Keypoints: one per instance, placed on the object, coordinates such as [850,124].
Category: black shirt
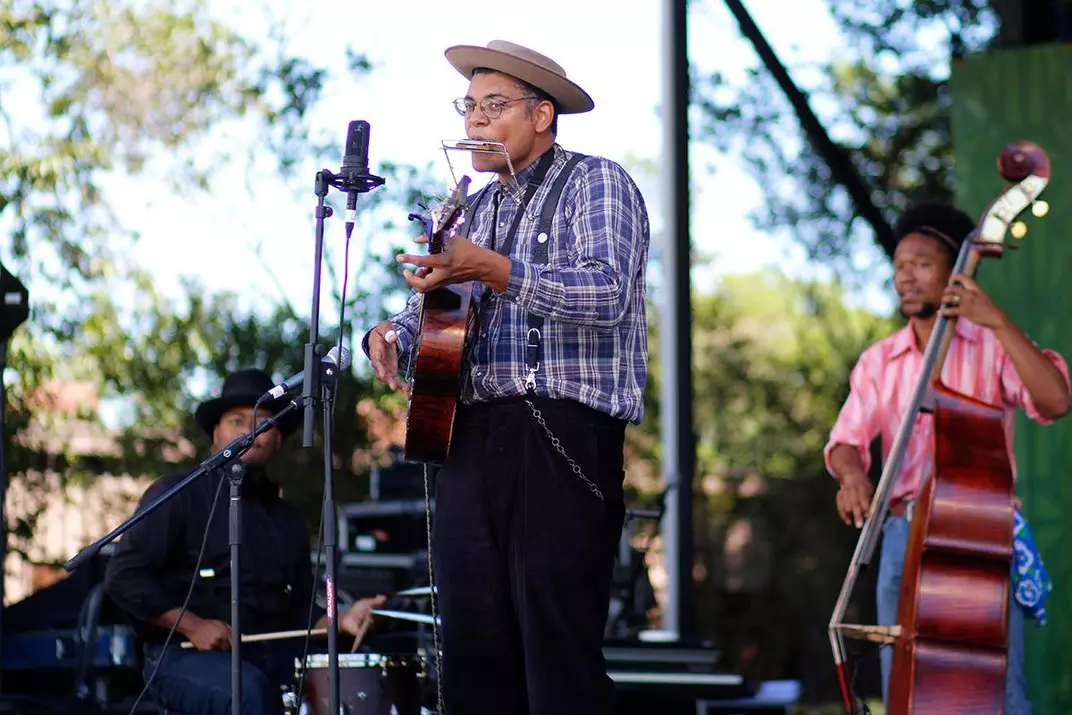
[153,564]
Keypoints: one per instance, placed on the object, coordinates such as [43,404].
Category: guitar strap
[471,205]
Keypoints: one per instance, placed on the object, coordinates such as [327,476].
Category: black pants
[523,553]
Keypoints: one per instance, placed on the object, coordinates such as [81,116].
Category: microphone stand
[236,471]
[235,474]
[311,386]
[352,181]
[330,550]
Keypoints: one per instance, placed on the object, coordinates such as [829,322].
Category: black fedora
[242,389]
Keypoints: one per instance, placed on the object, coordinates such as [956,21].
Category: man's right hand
[206,634]
[383,354]
[854,499]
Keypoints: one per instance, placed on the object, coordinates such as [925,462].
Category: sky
[407,101]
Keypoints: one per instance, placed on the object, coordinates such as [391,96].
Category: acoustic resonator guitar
[435,368]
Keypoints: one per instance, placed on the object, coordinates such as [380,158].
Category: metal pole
[3,488]
[675,326]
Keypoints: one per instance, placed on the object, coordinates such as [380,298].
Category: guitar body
[446,317]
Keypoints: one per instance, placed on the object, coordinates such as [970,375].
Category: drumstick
[419,591]
[403,616]
[361,633]
[277,635]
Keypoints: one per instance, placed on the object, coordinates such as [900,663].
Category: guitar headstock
[448,215]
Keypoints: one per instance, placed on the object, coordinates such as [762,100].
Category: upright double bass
[950,641]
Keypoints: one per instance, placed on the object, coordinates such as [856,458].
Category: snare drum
[369,684]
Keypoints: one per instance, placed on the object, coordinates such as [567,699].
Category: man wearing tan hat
[529,504]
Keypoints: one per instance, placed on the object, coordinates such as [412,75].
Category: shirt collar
[525,174]
[904,339]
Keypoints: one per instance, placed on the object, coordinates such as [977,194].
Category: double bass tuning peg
[1018,229]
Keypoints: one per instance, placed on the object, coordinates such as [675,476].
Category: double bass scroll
[950,643]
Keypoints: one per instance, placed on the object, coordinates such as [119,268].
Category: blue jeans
[891,564]
[190,682]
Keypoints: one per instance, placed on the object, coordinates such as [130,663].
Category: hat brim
[208,413]
[569,96]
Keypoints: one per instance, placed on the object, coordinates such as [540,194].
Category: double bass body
[950,655]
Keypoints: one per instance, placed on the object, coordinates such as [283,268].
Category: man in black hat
[152,570]
[989,359]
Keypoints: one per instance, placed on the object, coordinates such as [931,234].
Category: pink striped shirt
[885,376]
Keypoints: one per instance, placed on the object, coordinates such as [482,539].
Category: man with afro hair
[989,359]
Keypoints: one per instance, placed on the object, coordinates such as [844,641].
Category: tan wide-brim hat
[525,64]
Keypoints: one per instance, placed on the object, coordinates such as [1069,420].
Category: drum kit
[369,683]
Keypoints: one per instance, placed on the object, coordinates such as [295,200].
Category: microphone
[330,365]
[354,170]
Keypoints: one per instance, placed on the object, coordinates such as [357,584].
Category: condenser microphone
[354,170]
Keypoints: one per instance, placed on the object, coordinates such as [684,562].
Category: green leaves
[97,92]
[771,359]
[883,99]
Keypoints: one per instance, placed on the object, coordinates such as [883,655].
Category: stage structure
[1026,93]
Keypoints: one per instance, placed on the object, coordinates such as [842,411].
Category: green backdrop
[1027,94]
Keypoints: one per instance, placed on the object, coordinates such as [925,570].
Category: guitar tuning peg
[1018,229]
[1040,208]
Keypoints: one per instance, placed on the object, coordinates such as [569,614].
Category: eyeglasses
[490,106]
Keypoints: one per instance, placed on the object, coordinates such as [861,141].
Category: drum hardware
[370,684]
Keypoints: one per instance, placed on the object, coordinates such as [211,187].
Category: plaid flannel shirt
[591,294]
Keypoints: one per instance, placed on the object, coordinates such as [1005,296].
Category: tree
[771,364]
[883,99]
[129,88]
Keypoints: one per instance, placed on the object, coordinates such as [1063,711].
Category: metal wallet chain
[432,594]
[557,444]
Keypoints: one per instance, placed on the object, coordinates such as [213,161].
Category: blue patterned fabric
[1031,584]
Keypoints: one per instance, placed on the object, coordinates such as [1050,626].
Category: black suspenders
[534,323]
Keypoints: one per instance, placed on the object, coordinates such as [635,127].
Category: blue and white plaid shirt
[591,293]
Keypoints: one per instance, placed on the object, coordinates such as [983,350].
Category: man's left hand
[354,619]
[963,298]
